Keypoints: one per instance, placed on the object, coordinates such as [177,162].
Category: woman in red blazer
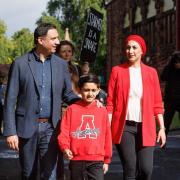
[134,103]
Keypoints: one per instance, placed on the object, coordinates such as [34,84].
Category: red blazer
[117,101]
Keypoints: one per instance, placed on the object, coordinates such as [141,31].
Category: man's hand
[99,104]
[13,142]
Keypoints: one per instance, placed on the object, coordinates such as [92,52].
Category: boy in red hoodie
[85,137]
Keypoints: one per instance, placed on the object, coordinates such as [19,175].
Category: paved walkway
[166,162]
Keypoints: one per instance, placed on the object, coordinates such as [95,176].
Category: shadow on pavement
[166,162]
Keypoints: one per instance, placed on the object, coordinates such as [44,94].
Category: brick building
[156,20]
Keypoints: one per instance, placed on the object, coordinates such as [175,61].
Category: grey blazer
[21,108]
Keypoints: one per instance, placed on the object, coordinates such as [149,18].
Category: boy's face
[89,92]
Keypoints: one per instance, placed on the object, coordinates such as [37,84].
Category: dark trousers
[1,117]
[170,109]
[86,170]
[137,161]
[41,147]
[60,166]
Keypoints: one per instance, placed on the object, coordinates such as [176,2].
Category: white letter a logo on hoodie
[87,128]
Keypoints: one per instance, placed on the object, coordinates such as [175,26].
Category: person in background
[171,75]
[85,137]
[1,108]
[102,97]
[66,51]
[2,96]
[37,83]
[85,68]
[134,102]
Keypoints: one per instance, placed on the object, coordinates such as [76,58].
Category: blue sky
[18,14]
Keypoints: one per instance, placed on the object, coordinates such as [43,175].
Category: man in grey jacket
[38,82]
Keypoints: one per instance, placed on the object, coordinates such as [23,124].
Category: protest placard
[92,34]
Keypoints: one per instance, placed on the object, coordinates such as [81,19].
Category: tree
[51,19]
[64,11]
[73,14]
[2,27]
[6,46]
[23,42]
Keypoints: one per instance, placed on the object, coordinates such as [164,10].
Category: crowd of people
[55,108]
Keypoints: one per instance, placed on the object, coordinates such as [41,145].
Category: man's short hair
[42,30]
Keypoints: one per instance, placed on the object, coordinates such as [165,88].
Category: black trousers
[137,161]
[60,166]
[86,170]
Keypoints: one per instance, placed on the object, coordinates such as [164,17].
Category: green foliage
[6,45]
[63,10]
[72,14]
[23,42]
[2,27]
[55,8]
[51,19]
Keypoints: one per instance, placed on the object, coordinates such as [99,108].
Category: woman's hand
[161,137]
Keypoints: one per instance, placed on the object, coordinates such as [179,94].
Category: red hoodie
[85,130]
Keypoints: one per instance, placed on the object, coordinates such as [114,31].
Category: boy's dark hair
[65,42]
[42,30]
[91,78]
